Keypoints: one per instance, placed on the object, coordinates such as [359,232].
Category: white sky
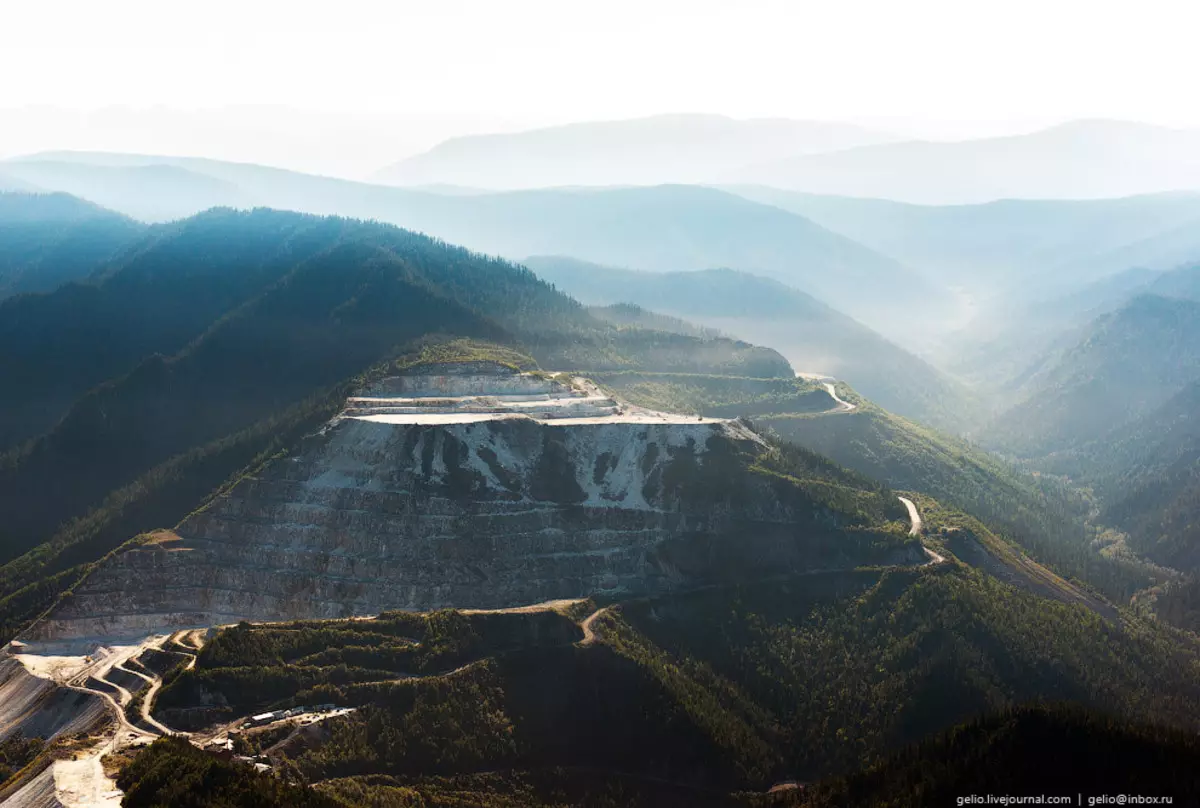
[401,75]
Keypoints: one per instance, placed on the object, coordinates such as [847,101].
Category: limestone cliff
[469,486]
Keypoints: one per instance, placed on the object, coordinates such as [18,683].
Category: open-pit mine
[467,485]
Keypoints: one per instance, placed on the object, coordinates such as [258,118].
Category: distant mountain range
[1084,159]
[814,337]
[1024,248]
[1087,159]
[643,151]
[658,228]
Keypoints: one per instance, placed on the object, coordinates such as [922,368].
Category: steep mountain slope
[1146,474]
[1141,466]
[49,239]
[814,337]
[240,332]
[1056,163]
[1011,340]
[1128,363]
[170,287]
[642,151]
[659,228]
[1044,517]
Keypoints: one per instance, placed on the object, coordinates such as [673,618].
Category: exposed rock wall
[377,514]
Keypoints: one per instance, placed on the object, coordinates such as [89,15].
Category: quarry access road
[148,699]
[83,782]
[914,516]
[828,382]
[918,525]
[842,404]
[589,636]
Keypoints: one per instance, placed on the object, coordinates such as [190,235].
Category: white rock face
[465,487]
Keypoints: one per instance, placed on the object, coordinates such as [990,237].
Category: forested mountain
[49,239]
[814,337]
[659,228]
[1009,342]
[1125,365]
[1056,163]
[641,151]
[168,290]
[1046,517]
[1146,474]
[227,334]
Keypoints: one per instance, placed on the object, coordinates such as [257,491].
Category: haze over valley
[551,405]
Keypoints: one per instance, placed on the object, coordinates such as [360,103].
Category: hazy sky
[405,74]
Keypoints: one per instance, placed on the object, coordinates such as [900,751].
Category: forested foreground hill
[129,398]
[1028,751]
[706,698]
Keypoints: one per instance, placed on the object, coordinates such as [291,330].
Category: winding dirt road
[589,635]
[918,527]
[842,404]
[914,516]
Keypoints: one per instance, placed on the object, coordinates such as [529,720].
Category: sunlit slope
[814,337]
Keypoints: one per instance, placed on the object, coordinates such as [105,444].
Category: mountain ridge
[639,151]
[1055,162]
